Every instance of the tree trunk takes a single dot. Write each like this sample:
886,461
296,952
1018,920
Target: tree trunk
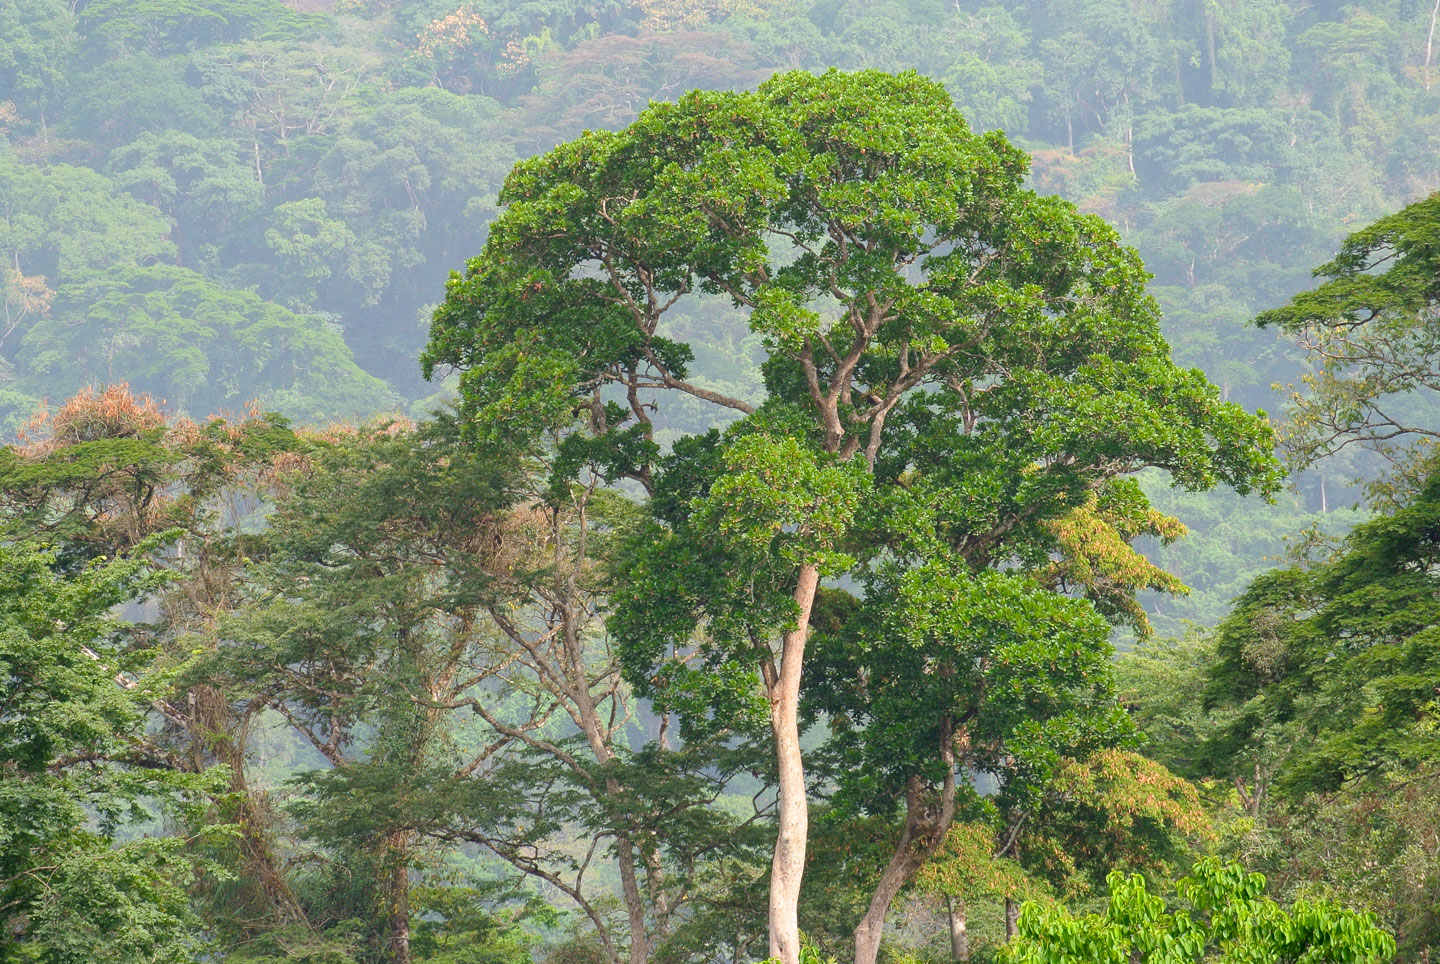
926,823
793,823
1012,915
634,904
959,935
217,735
599,740
397,904
258,859
1210,45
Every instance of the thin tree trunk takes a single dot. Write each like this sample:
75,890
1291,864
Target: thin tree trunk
1210,44
959,934
1430,42
788,864
596,733
925,827
1012,915
599,740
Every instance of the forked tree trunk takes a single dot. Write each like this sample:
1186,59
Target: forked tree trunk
927,820
959,933
793,823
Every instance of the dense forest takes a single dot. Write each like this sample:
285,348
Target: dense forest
641,481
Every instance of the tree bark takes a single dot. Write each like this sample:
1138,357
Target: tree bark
959,934
655,882
793,824
1012,915
927,820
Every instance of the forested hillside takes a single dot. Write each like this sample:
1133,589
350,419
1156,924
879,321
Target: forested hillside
415,508
229,200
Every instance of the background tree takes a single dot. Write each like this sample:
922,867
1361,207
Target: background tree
35,54
205,349
206,186
1370,336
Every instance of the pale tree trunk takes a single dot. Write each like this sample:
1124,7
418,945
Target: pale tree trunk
1430,42
927,820
959,933
793,822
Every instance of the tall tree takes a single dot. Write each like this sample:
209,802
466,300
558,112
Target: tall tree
917,303
427,620
360,630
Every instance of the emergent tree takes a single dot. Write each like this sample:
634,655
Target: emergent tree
919,306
